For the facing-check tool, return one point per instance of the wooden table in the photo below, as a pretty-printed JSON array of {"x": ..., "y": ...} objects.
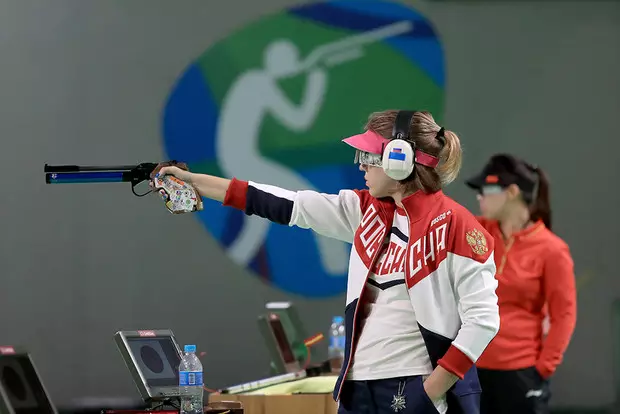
[{"x": 282, "y": 404}]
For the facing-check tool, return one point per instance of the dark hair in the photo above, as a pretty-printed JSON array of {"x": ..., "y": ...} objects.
[
  {"x": 540, "y": 208},
  {"x": 423, "y": 131}
]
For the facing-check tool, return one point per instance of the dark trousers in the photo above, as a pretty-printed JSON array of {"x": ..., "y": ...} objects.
[
  {"x": 521, "y": 391},
  {"x": 377, "y": 397}
]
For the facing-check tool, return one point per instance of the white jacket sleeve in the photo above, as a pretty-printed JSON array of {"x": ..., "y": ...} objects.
[
  {"x": 474, "y": 284},
  {"x": 475, "y": 289},
  {"x": 332, "y": 215},
  {"x": 472, "y": 273}
]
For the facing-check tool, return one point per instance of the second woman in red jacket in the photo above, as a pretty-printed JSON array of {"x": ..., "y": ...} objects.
[{"x": 536, "y": 281}]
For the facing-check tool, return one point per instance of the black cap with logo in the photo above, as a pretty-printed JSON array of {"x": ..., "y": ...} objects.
[{"x": 503, "y": 170}]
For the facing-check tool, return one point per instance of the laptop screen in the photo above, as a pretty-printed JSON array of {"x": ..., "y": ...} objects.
[
  {"x": 22, "y": 386},
  {"x": 157, "y": 359}
]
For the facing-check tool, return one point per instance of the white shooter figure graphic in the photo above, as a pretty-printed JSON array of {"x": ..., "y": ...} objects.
[{"x": 255, "y": 94}]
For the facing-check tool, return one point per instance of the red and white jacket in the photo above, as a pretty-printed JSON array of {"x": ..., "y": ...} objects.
[{"x": 449, "y": 267}]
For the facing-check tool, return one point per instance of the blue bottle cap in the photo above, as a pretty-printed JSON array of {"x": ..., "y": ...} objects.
[
  {"x": 190, "y": 348},
  {"x": 338, "y": 319}
]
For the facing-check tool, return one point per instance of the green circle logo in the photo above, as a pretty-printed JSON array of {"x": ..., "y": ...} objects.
[{"x": 271, "y": 102}]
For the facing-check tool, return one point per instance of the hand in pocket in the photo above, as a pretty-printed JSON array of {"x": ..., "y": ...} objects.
[{"x": 418, "y": 402}]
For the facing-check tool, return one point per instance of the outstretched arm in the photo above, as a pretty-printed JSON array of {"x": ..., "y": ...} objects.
[
  {"x": 331, "y": 215},
  {"x": 210, "y": 186},
  {"x": 207, "y": 186}
]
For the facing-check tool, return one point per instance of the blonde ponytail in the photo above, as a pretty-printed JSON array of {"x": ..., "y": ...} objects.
[{"x": 451, "y": 158}]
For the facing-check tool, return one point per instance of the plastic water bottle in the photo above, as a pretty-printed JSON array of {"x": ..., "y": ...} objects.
[
  {"x": 190, "y": 382},
  {"x": 337, "y": 338}
]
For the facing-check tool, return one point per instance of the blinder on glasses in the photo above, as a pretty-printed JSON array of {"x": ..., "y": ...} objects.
[{"x": 367, "y": 158}]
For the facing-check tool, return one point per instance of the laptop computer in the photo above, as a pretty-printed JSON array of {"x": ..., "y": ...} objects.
[{"x": 21, "y": 388}]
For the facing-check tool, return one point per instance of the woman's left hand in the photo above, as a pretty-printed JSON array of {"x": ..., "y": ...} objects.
[
  {"x": 432, "y": 394},
  {"x": 438, "y": 383}
]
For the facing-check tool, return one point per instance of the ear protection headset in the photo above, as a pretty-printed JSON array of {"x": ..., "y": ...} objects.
[{"x": 400, "y": 154}]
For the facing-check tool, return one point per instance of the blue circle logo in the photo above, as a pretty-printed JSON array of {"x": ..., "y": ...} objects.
[{"x": 271, "y": 102}]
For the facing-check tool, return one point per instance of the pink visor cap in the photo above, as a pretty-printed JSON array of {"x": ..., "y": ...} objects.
[
  {"x": 374, "y": 143},
  {"x": 369, "y": 141}
]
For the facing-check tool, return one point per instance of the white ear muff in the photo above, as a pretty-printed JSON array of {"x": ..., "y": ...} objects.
[{"x": 398, "y": 159}]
